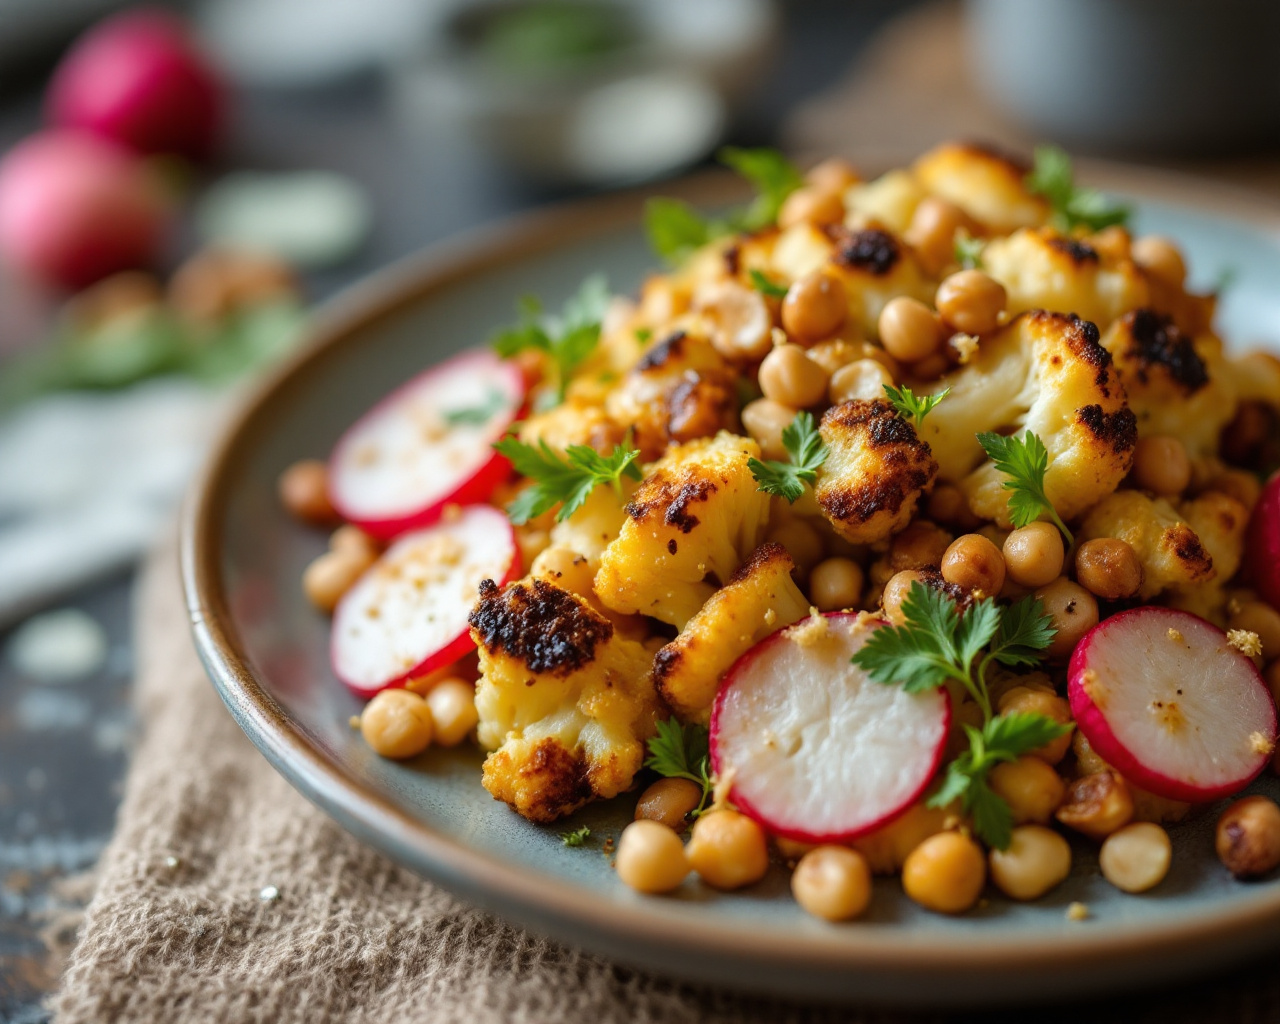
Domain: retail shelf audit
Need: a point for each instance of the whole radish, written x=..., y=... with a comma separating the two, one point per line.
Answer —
x=139, y=78
x=75, y=208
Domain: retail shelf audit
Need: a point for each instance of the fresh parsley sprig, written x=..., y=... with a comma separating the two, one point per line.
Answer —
x=761, y=283
x=566, y=481
x=578, y=837
x=1024, y=461
x=911, y=406
x=476, y=415
x=807, y=452
x=1053, y=178
x=968, y=250
x=682, y=752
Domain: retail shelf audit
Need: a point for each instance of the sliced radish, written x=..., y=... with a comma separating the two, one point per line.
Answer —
x=407, y=615
x=1164, y=699
x=817, y=750
x=407, y=458
x=1263, y=544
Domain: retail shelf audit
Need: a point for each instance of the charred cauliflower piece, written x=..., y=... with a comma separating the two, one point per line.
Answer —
x=695, y=516
x=1177, y=385
x=987, y=185
x=759, y=599
x=1220, y=521
x=876, y=470
x=565, y=704
x=1047, y=373
x=1170, y=551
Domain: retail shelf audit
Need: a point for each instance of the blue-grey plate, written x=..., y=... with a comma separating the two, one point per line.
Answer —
x=267, y=653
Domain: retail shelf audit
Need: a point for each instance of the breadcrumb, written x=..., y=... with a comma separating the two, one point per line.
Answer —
x=354, y=721
x=1245, y=641
x=1077, y=912
x=1175, y=636
x=965, y=347
x=1259, y=744
x=812, y=630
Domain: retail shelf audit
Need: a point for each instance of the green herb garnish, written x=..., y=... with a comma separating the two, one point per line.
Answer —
x=682, y=752
x=764, y=286
x=1053, y=178
x=577, y=837
x=568, y=338
x=911, y=406
x=565, y=481
x=644, y=335
x=968, y=250
x=807, y=451
x=1025, y=461
x=476, y=415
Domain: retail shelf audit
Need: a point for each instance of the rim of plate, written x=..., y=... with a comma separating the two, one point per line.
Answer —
x=539, y=897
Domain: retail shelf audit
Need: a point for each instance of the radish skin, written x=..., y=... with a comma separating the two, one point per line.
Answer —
x=1263, y=543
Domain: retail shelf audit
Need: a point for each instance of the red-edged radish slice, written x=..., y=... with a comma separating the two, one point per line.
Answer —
x=1164, y=699
x=407, y=458
x=407, y=615
x=1263, y=543
x=818, y=751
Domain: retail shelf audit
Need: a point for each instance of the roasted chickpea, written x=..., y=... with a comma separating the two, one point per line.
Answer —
x=921, y=545
x=1137, y=857
x=832, y=175
x=836, y=584
x=728, y=850
x=453, y=710
x=569, y=570
x=792, y=849
x=1033, y=554
x=801, y=541
x=948, y=505
x=740, y=322
x=945, y=873
x=1031, y=788
x=974, y=563
x=1109, y=568
x=833, y=883
x=765, y=420
x=651, y=858
x=909, y=330
x=971, y=301
x=1074, y=612
x=864, y=378
x=397, y=724
x=1160, y=258
x=351, y=540
x=810, y=205
x=1097, y=805
x=1161, y=464
x=1026, y=700
x=932, y=232
x=895, y=592
x=1036, y=860
x=1248, y=837
x=1112, y=243
x=304, y=492
x=788, y=376
x=837, y=352
x=815, y=306
x=331, y=575
x=670, y=802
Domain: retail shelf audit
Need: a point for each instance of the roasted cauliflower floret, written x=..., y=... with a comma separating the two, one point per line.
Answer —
x=692, y=521
x=1043, y=269
x=987, y=185
x=889, y=201
x=1171, y=553
x=572, y=423
x=1047, y=373
x=759, y=599
x=1177, y=385
x=875, y=472
x=565, y=704
x=1220, y=522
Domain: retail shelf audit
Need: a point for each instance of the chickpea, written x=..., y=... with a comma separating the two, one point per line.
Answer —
x=971, y=301
x=832, y=175
x=1248, y=837
x=1033, y=554
x=788, y=376
x=809, y=205
x=1026, y=700
x=1037, y=860
x=1137, y=857
x=865, y=379
x=921, y=545
x=895, y=592
x=1031, y=788
x=801, y=541
x=670, y=802
x=945, y=873
x=948, y=505
x=815, y=307
x=932, y=232
x=1160, y=258
x=304, y=492
x=1161, y=464
x=1073, y=611
x=1109, y=568
x=351, y=540
x=651, y=858
x=765, y=420
x=836, y=584
x=833, y=883
x=837, y=352
x=1112, y=243
x=453, y=710
x=740, y=321
x=397, y=724
x=728, y=849
x=1097, y=805
x=974, y=563
x=931, y=367
x=567, y=569
x=1246, y=433
x=909, y=330
x=330, y=576
x=792, y=849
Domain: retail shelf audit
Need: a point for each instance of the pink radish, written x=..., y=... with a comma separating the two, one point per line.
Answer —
x=1263, y=544
x=1164, y=699
x=818, y=751
x=427, y=445
x=407, y=615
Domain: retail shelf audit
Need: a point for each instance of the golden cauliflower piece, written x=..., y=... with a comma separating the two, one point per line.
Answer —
x=759, y=599
x=985, y=184
x=693, y=519
x=565, y=704
x=1177, y=385
x=889, y=201
x=1220, y=521
x=876, y=470
x=1043, y=269
x=572, y=423
x=1047, y=373
x=1170, y=551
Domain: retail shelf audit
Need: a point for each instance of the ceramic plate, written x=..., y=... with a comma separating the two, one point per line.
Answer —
x=267, y=653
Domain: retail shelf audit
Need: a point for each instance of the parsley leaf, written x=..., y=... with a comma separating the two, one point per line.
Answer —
x=476, y=415
x=568, y=338
x=577, y=837
x=911, y=406
x=644, y=335
x=807, y=452
x=774, y=176
x=568, y=480
x=1053, y=178
x=763, y=285
x=682, y=752
x=968, y=250
x=1024, y=631
x=1025, y=461
x=675, y=229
